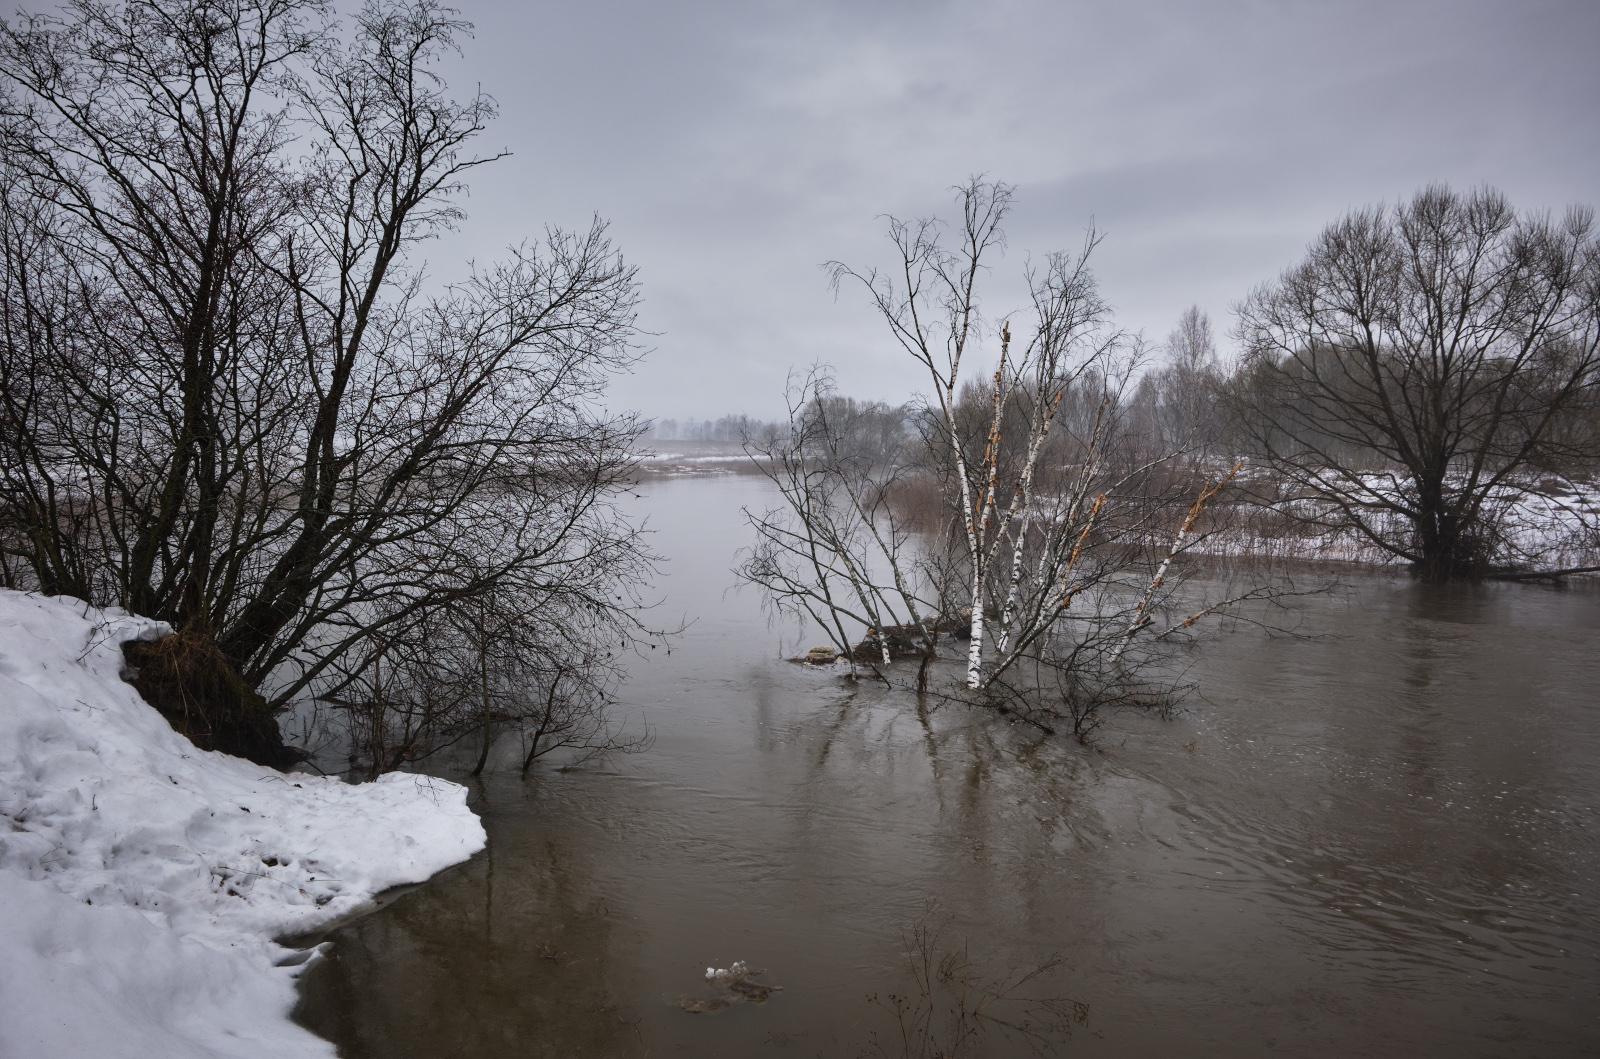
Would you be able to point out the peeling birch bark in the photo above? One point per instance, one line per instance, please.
(1140, 619)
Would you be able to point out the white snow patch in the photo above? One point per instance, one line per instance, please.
(722, 974)
(1552, 523)
(143, 880)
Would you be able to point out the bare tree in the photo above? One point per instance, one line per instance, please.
(1053, 553)
(1176, 403)
(232, 400)
(1406, 377)
(930, 302)
(1190, 381)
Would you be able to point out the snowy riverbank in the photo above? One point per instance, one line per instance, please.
(1551, 524)
(142, 880)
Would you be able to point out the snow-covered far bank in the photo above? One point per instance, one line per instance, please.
(143, 880)
(1549, 524)
(682, 459)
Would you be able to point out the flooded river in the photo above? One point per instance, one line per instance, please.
(1382, 838)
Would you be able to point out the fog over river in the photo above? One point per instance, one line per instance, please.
(1381, 837)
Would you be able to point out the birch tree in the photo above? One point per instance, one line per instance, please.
(1060, 544)
(930, 301)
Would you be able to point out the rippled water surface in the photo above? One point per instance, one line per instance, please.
(1381, 839)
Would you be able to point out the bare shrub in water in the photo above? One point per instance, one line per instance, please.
(1046, 542)
(484, 673)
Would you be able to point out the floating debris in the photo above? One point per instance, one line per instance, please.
(709, 1005)
(736, 984)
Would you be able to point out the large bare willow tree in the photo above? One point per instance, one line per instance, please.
(1409, 376)
(229, 396)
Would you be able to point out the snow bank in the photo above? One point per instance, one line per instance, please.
(1552, 523)
(142, 880)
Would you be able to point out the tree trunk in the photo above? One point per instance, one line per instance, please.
(488, 714)
(975, 647)
(198, 690)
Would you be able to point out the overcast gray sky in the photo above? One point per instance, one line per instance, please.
(736, 146)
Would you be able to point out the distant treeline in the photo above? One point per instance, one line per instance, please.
(726, 428)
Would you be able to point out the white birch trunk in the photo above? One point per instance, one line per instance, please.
(1009, 614)
(1155, 584)
(975, 648)
(1025, 499)
(1160, 578)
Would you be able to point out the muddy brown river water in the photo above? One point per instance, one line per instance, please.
(1379, 839)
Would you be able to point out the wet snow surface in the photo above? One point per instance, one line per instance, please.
(143, 880)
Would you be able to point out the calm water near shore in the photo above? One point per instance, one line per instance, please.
(1379, 839)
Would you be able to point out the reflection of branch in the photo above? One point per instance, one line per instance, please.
(955, 1006)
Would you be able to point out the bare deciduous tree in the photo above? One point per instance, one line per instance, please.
(232, 400)
(1404, 379)
(1053, 550)
(1176, 403)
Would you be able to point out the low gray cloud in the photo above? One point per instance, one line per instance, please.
(736, 146)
